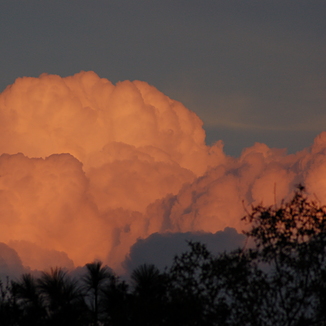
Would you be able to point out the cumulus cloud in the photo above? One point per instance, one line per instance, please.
(87, 168)
(45, 201)
(82, 114)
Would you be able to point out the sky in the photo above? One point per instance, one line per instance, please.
(253, 71)
(127, 127)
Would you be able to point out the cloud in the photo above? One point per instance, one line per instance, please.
(160, 248)
(83, 113)
(10, 263)
(227, 191)
(40, 258)
(45, 201)
(83, 158)
(88, 168)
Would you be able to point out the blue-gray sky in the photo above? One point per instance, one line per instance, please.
(251, 70)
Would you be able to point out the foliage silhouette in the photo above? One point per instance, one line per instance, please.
(96, 276)
(116, 302)
(291, 241)
(150, 302)
(7, 303)
(63, 298)
(280, 280)
(30, 301)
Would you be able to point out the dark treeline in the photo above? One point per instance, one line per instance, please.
(278, 279)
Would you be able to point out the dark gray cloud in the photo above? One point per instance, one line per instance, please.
(10, 263)
(160, 248)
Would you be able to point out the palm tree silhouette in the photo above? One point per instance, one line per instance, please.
(150, 295)
(63, 298)
(29, 300)
(146, 280)
(94, 281)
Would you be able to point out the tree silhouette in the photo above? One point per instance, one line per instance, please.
(279, 280)
(146, 280)
(150, 288)
(195, 287)
(291, 243)
(94, 281)
(117, 302)
(7, 304)
(29, 300)
(63, 298)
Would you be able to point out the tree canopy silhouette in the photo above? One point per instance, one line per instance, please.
(94, 280)
(279, 280)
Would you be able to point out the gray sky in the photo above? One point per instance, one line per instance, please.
(251, 70)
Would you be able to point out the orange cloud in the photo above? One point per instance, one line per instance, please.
(88, 167)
